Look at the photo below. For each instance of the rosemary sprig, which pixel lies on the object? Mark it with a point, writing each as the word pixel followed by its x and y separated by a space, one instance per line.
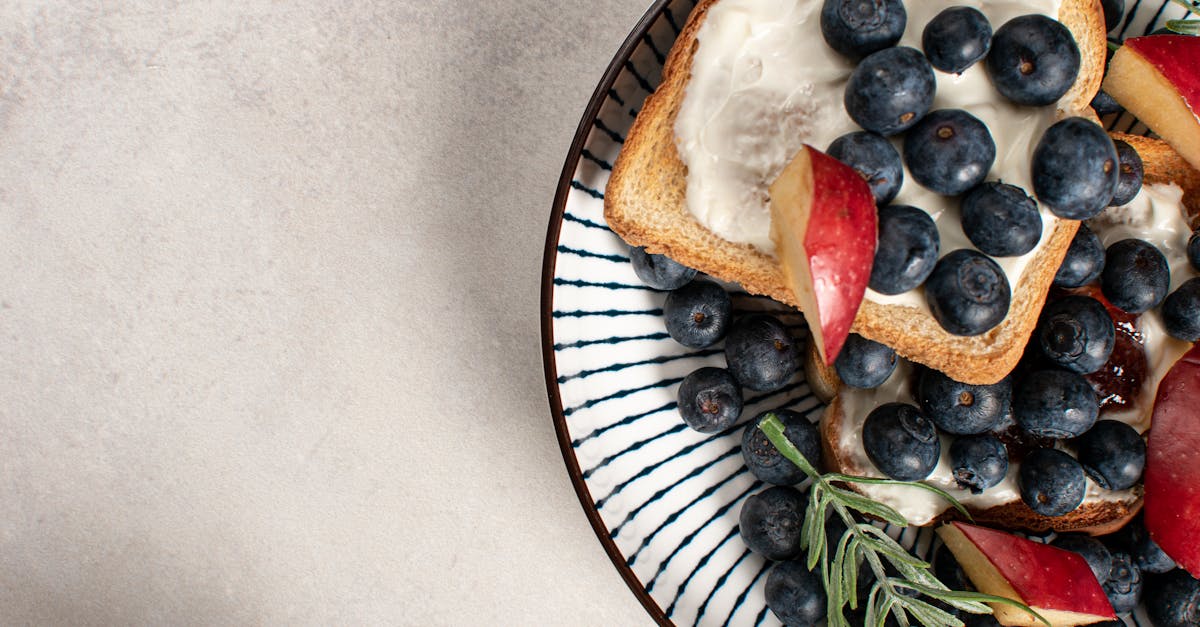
pixel 864 542
pixel 1185 26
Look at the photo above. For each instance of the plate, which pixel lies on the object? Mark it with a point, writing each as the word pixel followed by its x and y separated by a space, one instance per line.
pixel 663 499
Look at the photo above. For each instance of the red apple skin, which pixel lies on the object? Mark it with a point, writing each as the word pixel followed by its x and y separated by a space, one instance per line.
pixel 1177 58
pixel 1173 464
pixel 1046 577
pixel 840 243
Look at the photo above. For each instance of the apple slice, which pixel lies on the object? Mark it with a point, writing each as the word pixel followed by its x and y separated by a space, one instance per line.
pixel 1058 584
pixel 1157 79
pixel 1173 464
pixel 823 223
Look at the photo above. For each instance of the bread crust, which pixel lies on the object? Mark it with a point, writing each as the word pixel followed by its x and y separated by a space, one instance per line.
pixel 645 204
pixel 1095 518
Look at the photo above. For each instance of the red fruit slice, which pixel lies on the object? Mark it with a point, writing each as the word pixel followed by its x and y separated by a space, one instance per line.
pixel 1157 78
pixel 1058 584
pixel 823 223
pixel 1173 464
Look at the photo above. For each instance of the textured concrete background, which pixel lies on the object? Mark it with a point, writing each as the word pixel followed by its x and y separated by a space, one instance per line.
pixel 269 346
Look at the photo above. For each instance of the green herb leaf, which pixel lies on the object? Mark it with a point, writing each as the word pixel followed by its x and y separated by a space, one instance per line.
pixel 1184 27
pixel 1192 7
pixel 863 542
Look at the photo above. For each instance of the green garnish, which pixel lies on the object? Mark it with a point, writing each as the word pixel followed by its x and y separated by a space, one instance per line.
pixel 864 542
pixel 1186 27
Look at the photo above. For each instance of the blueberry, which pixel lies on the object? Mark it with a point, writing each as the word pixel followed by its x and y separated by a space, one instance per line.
pixel 698 314
pixel 1077 333
pixel 960 408
pixel 1193 249
pixel 864 363
pixel 1051 482
pixel 1098 557
pixel 967 293
pixel 1146 554
pixel 978 462
pixel 1084 260
pixel 1033 60
pixel 710 400
pixel 1136 276
pixel 901 442
pixel 875 158
pixel 1001 219
pixel 890 90
pixel 1173 600
pixel 956 38
pixel 1113 454
pixel 856 28
pixel 770 522
pixel 1055 404
pixel 795 594
pixel 1124 585
pixel 1104 104
pixel 1075 169
pixel 1129 173
pixel 1181 311
pixel 949 151
pixel 906 251
pixel 761 354
pixel 766 462
pixel 659 271
pixel 1114 10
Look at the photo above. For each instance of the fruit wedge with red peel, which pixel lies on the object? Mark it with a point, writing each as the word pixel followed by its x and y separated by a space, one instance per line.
pixel 1157 79
pixel 1056 583
pixel 1172 477
pixel 823 223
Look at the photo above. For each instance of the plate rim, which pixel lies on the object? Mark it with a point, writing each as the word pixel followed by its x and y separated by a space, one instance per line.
pixel 549 259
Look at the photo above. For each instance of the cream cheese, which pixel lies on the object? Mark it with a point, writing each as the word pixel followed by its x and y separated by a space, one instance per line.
pixel 764 82
pixel 1155 215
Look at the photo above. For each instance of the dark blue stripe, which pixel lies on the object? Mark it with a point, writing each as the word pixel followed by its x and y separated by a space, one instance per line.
pixel 685 450
pixel 607 313
pixel 646 362
pixel 717 515
pixel 619 394
pixel 633 113
pixel 607 285
pixel 587 154
pixel 1150 25
pixel 677 513
pixel 641 81
pixel 658 55
pixel 1129 13
pixel 762 615
pixel 614 340
pixel 615 136
pixel 737 603
pixel 671 20
pixel 621 423
pixel 699 565
pixel 632 447
pixel 720 582
pixel 612 93
pixel 588 223
pixel 584 188
pixel 587 253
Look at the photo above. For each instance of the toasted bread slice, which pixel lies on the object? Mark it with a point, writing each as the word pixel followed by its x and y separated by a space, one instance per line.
pixel 1096 516
pixel 645 204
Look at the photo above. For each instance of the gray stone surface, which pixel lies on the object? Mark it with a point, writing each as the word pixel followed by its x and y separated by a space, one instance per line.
pixel 268 314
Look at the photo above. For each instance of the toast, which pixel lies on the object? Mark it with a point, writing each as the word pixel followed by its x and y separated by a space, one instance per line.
pixel 645 203
pixel 842 451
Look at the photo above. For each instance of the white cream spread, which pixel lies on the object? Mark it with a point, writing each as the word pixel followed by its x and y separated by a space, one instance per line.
pixel 1155 215
pixel 764 82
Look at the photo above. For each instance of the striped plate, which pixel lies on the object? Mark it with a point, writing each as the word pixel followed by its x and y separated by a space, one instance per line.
pixel 662 499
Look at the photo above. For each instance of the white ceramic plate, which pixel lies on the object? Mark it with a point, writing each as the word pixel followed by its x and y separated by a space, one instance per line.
pixel 662 499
